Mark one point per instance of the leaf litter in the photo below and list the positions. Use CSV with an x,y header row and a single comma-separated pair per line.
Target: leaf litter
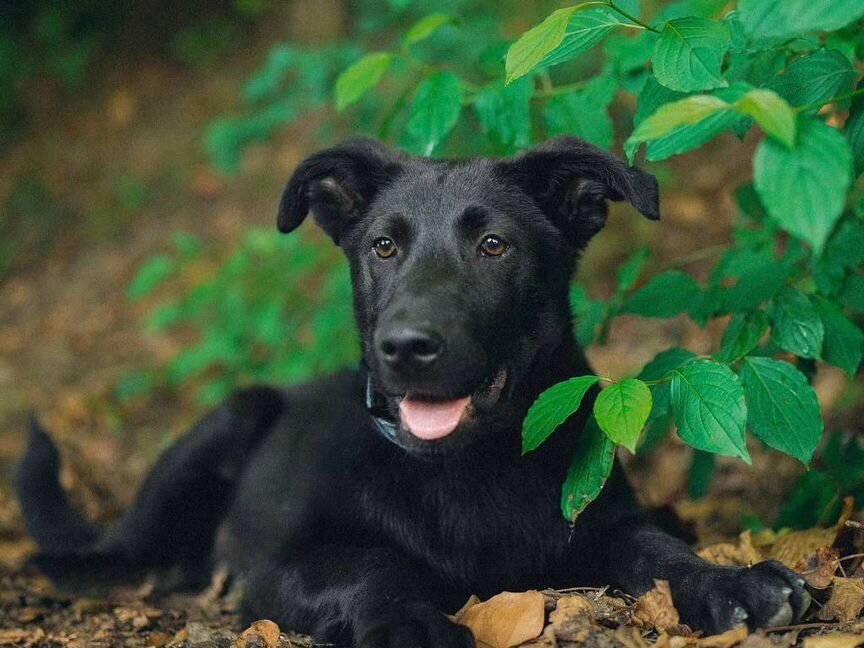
x,y
35,614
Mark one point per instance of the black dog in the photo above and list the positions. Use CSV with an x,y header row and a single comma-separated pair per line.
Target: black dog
x,y
359,507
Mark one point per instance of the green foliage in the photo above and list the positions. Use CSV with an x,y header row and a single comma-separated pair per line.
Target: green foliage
x,y
783,409
621,411
555,405
257,319
790,281
589,470
709,408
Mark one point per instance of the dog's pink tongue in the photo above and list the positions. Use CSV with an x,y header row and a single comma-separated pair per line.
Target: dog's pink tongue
x,y
429,421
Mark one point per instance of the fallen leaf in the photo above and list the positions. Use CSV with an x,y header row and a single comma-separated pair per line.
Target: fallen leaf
x,y
726,639
846,602
742,554
157,639
30,614
630,637
818,568
471,602
838,640
19,638
265,629
572,619
656,609
506,619
792,547
181,636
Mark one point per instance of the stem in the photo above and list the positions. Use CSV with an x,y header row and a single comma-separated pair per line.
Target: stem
x,y
554,91
819,104
632,19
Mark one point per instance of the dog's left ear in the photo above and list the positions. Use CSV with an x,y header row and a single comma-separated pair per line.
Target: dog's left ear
x,y
571,180
336,185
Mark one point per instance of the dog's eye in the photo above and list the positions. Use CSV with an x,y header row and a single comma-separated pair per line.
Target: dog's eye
x,y
492,246
384,247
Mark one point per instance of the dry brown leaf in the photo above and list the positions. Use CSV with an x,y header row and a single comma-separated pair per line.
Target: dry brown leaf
x,y
630,637
471,602
846,602
818,568
506,619
157,639
792,547
573,618
265,629
180,637
726,639
656,609
16,637
742,554
837,640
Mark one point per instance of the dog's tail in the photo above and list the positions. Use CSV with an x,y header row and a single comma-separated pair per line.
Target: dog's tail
x,y
49,517
176,513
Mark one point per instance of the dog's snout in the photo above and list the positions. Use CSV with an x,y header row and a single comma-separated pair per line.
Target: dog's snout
x,y
410,348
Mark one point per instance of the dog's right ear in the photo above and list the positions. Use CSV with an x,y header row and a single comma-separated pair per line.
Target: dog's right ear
x,y
337,185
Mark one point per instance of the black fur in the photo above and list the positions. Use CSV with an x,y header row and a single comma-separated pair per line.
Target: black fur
x,y
348,526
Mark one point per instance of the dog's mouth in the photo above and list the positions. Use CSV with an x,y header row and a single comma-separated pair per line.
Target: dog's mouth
x,y
430,418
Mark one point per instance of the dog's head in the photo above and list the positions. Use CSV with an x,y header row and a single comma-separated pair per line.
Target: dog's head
x,y
461,272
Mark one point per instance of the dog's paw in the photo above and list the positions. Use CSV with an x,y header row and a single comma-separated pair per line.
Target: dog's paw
x,y
716,599
416,626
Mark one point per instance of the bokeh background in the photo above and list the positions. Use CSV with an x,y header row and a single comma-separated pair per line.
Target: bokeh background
x,y
143,149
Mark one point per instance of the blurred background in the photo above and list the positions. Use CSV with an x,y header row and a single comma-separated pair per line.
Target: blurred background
x,y
143,149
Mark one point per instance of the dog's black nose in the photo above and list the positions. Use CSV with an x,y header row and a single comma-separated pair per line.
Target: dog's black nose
x,y
407,348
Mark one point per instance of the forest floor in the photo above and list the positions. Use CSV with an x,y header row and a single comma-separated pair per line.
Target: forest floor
x,y
103,182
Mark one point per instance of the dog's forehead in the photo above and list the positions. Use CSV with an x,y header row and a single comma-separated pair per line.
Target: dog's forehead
x,y
441,191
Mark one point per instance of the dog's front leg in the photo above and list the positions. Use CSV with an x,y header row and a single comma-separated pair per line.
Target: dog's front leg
x,y
709,597
372,598
632,553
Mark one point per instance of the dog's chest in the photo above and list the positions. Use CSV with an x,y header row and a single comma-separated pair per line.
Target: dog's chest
x,y
498,527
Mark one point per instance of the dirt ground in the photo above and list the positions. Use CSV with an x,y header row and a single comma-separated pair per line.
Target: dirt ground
x,y
68,335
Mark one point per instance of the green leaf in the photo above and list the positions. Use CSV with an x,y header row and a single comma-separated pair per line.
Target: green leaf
x,y
814,79
670,116
425,27
687,136
156,270
742,335
797,326
771,112
658,369
589,469
782,407
552,408
629,271
804,188
505,114
666,295
434,111
584,113
533,46
361,77
622,410
844,341
709,407
851,293
689,53
700,474
585,29
789,18
815,500
855,130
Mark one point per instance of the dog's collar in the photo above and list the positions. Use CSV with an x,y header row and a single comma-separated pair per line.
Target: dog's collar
x,y
377,408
